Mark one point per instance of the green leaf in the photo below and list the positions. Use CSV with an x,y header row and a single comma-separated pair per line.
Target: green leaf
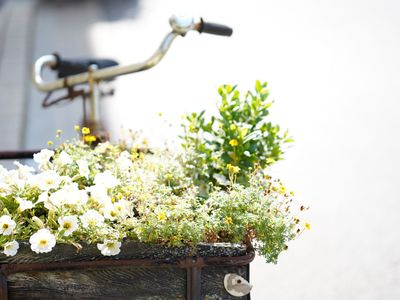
x,y
289,140
258,86
228,88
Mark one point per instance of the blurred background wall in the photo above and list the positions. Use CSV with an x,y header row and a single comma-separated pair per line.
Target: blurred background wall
x,y
334,72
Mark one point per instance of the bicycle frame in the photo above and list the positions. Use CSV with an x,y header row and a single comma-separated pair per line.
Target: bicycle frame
x,y
180,27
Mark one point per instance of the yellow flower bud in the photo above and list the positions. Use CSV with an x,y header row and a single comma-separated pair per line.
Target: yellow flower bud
x,y
85,130
233,142
228,220
161,216
89,138
233,169
307,226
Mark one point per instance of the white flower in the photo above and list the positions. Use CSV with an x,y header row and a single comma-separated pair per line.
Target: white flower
x,y
5,189
69,224
119,209
24,172
124,162
91,218
110,212
78,197
42,241
2,170
63,159
83,167
12,177
99,194
58,198
221,179
24,204
106,179
69,195
11,248
109,248
44,197
48,180
43,158
7,225
123,207
102,147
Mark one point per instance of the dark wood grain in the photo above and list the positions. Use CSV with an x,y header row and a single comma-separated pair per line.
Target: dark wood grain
x,y
108,283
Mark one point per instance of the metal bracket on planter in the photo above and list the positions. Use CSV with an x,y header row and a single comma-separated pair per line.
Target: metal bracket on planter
x,y
236,285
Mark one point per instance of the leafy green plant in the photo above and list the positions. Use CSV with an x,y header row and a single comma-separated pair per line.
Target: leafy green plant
x,y
241,135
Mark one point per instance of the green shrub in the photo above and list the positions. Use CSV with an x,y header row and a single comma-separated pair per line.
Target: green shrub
x,y
241,135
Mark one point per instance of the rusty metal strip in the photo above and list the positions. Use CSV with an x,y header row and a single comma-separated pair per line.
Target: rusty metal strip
x,y
188,262
193,267
193,290
17,154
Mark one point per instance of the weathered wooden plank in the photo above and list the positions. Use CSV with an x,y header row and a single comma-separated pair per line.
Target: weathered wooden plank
x,y
108,283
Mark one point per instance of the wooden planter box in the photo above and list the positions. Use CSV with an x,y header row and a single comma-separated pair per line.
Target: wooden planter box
x,y
140,271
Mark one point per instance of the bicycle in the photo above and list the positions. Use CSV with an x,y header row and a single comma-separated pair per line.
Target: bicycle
x,y
94,72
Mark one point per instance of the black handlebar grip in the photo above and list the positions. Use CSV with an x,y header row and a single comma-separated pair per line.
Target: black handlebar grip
x,y
214,28
68,67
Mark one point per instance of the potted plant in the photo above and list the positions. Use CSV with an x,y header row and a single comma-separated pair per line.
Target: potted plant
x,y
102,220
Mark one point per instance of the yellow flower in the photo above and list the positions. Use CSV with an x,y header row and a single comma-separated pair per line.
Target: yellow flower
x,y
50,143
85,130
77,128
282,189
89,138
307,226
58,132
228,220
233,127
233,142
161,216
233,169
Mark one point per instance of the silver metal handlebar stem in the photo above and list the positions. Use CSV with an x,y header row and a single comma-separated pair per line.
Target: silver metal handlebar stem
x,y
180,26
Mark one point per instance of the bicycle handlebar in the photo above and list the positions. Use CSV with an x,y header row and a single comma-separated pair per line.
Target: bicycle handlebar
x,y
180,26
213,28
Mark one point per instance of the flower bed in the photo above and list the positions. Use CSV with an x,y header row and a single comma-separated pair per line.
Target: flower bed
x,y
86,195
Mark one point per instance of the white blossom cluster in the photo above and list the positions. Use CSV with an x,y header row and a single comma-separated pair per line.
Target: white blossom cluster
x,y
67,198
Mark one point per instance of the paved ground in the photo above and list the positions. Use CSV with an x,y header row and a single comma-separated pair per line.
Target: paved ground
x,y
334,72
